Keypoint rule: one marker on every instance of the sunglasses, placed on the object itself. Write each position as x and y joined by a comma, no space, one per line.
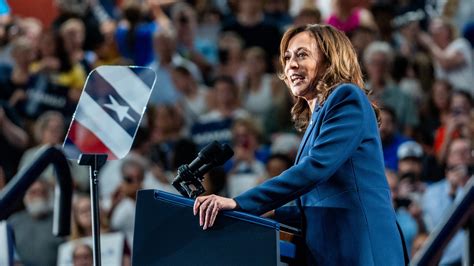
130,180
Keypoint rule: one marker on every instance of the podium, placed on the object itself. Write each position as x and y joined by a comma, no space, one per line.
167,233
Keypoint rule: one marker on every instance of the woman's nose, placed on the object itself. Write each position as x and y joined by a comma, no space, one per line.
292,63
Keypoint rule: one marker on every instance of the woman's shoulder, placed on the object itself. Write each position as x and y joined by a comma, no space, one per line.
344,90
346,93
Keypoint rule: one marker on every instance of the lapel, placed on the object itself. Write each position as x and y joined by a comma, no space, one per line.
307,133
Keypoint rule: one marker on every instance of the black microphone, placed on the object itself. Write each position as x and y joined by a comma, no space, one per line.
188,181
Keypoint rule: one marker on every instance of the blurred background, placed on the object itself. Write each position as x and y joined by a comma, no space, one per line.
217,64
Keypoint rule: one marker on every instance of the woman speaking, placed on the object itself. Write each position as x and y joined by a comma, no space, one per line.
338,179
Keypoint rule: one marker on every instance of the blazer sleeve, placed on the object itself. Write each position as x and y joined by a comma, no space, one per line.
339,136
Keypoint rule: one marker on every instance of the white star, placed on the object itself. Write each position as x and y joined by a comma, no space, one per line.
120,110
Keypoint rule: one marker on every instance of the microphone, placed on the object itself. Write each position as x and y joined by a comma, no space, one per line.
188,181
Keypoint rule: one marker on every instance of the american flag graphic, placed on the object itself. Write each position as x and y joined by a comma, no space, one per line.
109,111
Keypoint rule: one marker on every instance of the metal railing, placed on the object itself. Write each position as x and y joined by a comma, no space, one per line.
461,216
18,185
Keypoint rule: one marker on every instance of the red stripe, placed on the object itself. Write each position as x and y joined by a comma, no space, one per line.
87,142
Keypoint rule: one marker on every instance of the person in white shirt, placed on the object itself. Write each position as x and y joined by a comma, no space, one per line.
453,58
122,213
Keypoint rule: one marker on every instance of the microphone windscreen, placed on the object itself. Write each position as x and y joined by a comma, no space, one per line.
225,154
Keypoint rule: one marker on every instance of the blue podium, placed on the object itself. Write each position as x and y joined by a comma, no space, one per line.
167,233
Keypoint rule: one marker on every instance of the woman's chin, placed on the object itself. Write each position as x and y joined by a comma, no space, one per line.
299,90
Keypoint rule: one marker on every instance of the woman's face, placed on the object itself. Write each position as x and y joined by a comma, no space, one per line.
83,212
244,138
440,33
224,94
440,96
255,64
377,67
303,62
54,131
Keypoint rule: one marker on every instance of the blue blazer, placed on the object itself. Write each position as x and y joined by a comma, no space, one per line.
339,183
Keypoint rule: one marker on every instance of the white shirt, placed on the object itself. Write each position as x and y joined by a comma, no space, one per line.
260,102
123,218
461,77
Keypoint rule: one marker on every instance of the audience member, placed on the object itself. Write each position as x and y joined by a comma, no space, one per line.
435,110
278,12
230,46
422,81
347,15
308,15
200,51
256,89
452,55
405,219
167,58
194,100
82,255
81,223
378,60
73,34
455,125
13,140
246,168
254,28
441,196
225,101
277,163
391,138
49,129
32,227
134,33
122,212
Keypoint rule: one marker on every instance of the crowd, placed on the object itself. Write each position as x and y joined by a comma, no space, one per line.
217,79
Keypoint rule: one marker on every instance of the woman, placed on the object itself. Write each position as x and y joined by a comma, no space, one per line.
338,178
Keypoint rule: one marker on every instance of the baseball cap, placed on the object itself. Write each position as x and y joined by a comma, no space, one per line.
409,149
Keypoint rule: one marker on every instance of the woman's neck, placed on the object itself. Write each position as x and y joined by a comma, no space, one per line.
227,110
312,104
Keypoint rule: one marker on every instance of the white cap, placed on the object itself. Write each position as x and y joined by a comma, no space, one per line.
409,149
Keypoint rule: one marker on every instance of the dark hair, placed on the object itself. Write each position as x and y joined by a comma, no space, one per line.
158,157
310,12
225,79
463,94
218,179
141,137
229,81
400,67
183,70
282,157
391,112
133,15
133,163
65,63
184,152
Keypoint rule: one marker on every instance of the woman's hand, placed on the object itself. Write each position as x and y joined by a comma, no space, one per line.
209,206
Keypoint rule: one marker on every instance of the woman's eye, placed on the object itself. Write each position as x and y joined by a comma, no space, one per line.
286,57
301,55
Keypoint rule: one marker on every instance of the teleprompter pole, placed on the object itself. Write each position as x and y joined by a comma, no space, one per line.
95,162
